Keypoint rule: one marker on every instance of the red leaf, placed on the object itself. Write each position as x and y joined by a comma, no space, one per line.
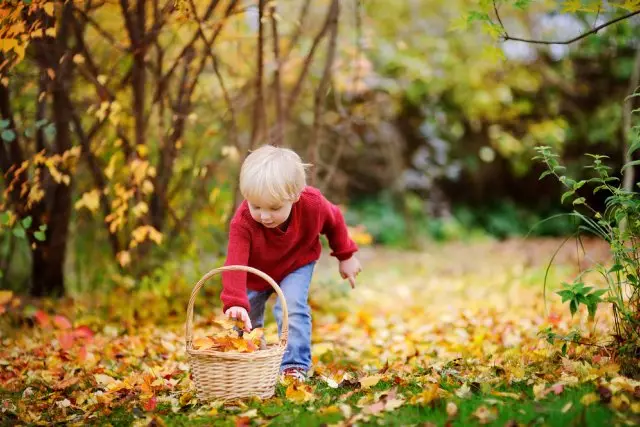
42,318
82,354
66,340
150,405
61,322
83,332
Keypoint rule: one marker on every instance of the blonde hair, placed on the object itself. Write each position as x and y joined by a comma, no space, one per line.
272,173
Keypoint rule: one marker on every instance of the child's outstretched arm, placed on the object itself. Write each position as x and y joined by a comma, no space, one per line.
234,283
343,247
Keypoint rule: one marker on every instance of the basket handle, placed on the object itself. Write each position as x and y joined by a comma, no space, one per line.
284,333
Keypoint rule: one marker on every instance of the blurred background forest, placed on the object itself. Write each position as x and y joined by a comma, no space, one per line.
124,123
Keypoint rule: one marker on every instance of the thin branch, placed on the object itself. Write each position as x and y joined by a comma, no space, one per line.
210,9
229,102
307,63
259,116
318,108
507,37
280,124
296,36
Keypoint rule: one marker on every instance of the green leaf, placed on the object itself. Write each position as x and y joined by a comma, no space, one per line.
565,195
26,222
5,217
566,295
573,307
629,164
4,123
543,174
599,293
522,4
564,349
41,123
19,232
40,236
8,135
615,268
28,132
579,201
50,130
43,227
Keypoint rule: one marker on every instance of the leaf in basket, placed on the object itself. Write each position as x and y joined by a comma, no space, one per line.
228,324
240,345
203,343
255,335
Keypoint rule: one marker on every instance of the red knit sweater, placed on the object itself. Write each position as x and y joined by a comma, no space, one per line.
278,253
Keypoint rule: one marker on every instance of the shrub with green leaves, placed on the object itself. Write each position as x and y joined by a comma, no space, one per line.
619,225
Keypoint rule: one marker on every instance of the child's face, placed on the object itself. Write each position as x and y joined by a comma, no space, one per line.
270,213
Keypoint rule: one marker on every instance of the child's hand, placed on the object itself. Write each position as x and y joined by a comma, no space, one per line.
349,269
241,314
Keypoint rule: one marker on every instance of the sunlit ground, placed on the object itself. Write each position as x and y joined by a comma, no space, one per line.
421,327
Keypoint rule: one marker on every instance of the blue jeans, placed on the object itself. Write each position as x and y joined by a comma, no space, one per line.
295,288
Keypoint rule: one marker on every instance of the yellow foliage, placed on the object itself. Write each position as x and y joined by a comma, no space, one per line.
89,200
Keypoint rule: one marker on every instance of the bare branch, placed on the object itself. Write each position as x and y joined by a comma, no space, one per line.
318,107
307,63
259,116
280,124
507,37
296,36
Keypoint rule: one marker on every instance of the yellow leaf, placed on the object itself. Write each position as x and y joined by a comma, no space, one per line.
103,379
5,297
452,409
140,209
48,8
370,381
7,44
588,399
572,6
566,407
78,59
630,5
203,343
299,393
20,50
51,32
124,258
102,79
147,187
89,200
5,81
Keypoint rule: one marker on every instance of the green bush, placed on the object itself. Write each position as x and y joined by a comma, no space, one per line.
619,225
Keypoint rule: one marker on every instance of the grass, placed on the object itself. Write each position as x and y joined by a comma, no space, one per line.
562,410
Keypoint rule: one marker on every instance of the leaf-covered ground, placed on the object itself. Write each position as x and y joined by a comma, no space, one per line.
448,335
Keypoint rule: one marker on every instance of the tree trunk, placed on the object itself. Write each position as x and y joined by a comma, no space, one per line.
48,257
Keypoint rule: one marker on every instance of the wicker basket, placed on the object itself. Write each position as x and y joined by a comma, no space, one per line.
232,375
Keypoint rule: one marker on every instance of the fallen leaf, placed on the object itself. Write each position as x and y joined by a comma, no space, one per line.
604,393
452,409
464,391
370,381
485,415
566,407
589,398
5,297
299,392
103,379
61,322
151,404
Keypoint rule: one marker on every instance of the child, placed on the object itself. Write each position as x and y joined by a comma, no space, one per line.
276,229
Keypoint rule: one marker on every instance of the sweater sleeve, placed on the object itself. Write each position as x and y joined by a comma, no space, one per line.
234,283
335,228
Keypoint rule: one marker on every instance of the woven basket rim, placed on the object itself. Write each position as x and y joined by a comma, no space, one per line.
272,351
